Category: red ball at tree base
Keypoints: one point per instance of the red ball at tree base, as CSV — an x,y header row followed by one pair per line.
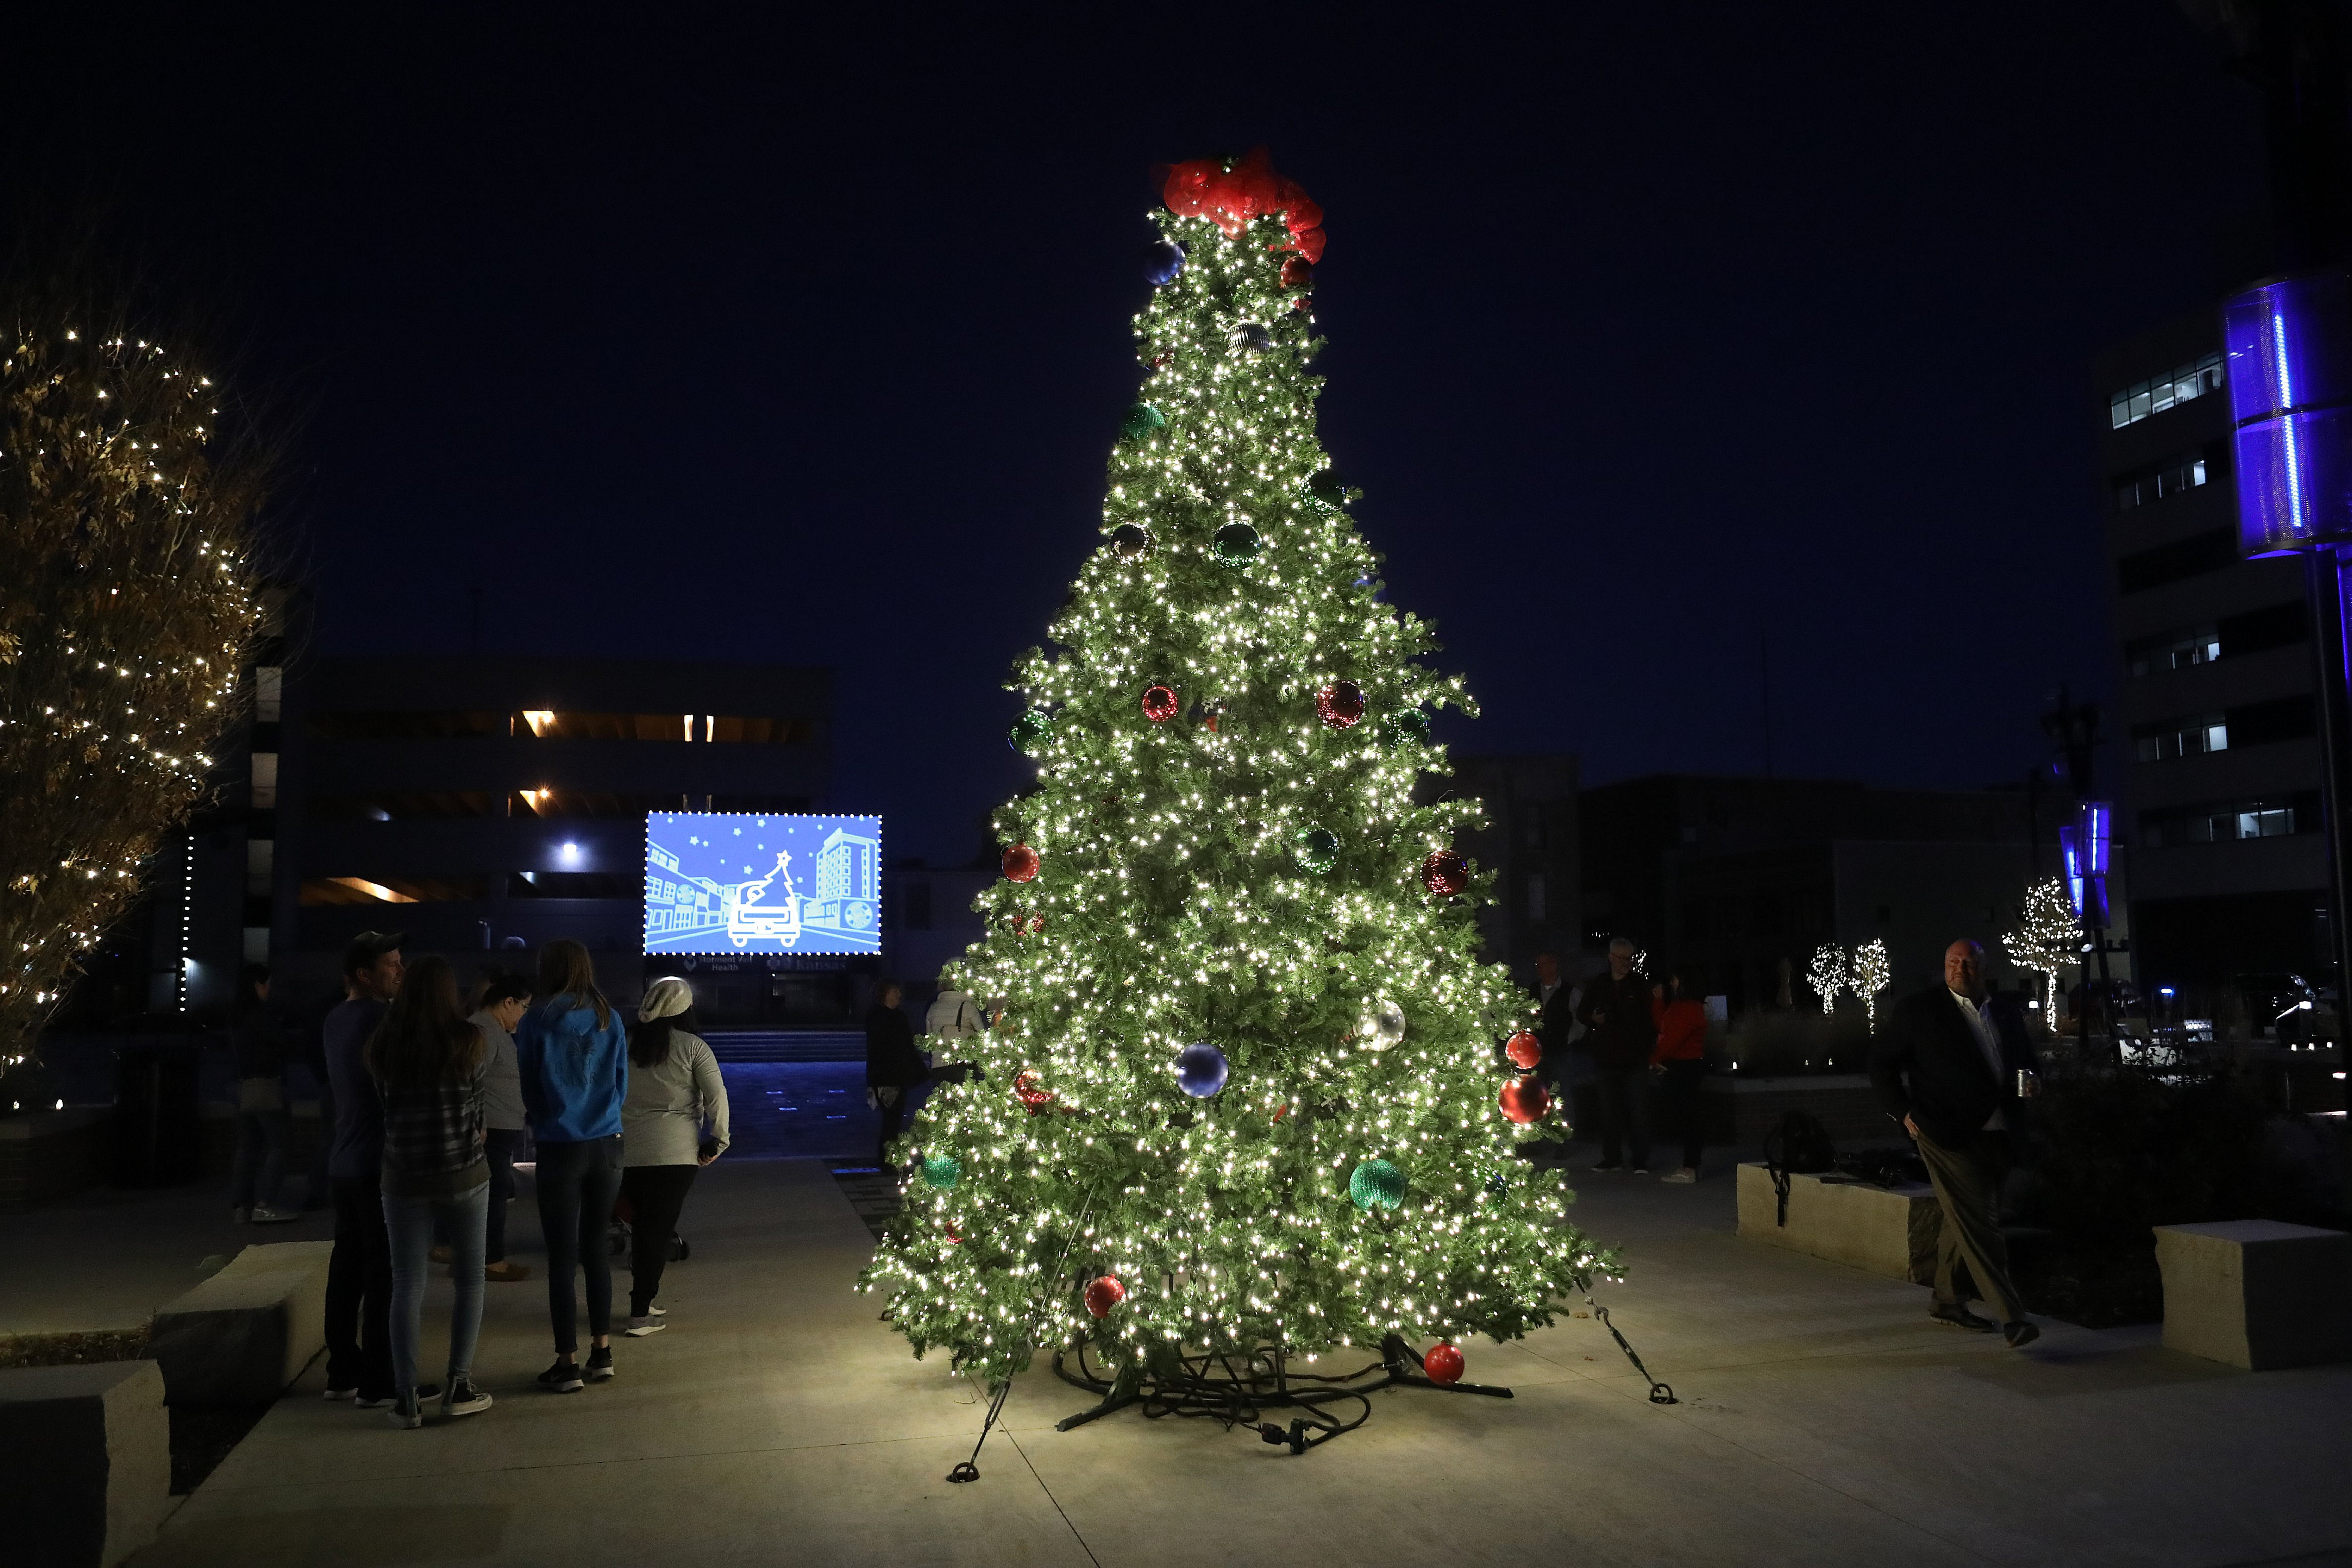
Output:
x,y
1160,704
1339,704
1524,1049
1103,1295
1021,863
1526,1100
1445,873
1444,1365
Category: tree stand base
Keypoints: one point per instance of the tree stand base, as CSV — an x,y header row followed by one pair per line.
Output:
x,y
1240,1389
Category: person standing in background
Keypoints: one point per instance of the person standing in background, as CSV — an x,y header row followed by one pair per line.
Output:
x,y
574,1058
359,1269
894,1068
1679,1062
1555,1024
1616,1009
673,1091
504,1000
428,1064
265,1127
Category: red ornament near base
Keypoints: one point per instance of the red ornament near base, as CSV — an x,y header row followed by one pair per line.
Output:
x,y
1104,1294
1444,1365
1021,863
1525,1099
1524,1049
1031,1092
1339,704
1160,704
1446,873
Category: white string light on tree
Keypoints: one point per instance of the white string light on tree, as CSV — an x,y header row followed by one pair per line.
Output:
x,y
1827,975
2050,941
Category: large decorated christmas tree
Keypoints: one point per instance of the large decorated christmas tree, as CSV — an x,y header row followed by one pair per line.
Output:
x,y
1245,1102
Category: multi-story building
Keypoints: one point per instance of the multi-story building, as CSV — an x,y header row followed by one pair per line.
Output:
x,y
1530,841
487,805
1741,879
2228,862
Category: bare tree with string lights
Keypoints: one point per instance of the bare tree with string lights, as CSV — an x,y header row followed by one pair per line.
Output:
x,y
127,518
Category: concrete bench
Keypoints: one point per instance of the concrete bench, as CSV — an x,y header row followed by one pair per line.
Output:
x,y
2257,1293
244,1334
87,1451
1890,1231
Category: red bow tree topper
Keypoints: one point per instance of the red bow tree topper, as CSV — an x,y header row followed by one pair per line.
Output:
x,y
1250,189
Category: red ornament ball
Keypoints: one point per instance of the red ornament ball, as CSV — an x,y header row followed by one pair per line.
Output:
x,y
1104,1294
1021,863
1444,1365
1160,704
1298,272
1524,1049
1526,1100
1339,704
1446,873
1031,1091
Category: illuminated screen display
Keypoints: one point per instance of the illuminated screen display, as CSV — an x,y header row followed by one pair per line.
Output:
x,y
724,881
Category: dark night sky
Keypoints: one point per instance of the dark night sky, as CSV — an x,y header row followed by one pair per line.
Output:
x,y
1650,328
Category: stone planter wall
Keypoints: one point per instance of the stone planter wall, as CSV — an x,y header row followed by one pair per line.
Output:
x,y
1740,1109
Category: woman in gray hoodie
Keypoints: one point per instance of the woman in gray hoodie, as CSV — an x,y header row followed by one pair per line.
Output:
x,y
674,1092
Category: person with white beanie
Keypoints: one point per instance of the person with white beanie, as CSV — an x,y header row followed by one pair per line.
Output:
x,y
675,1091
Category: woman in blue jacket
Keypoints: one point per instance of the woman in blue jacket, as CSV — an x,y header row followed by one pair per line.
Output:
x,y
575,1054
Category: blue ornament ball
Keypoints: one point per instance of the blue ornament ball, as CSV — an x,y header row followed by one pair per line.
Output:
x,y
1200,1069
1163,261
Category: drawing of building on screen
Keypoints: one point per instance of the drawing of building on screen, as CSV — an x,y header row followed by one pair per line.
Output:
x,y
725,882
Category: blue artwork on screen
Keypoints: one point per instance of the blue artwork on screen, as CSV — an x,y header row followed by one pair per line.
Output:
x,y
723,882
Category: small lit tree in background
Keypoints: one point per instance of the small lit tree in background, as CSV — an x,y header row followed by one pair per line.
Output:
x,y
1870,975
1827,976
2051,939
126,524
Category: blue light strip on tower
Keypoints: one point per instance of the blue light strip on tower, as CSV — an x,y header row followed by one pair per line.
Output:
x,y
2295,520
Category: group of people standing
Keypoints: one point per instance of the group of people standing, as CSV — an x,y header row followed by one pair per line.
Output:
x,y
1630,1038
434,1101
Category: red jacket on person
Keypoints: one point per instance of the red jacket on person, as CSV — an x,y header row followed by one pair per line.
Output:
x,y
1682,1030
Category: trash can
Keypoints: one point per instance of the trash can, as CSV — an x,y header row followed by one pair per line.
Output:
x,y
159,1130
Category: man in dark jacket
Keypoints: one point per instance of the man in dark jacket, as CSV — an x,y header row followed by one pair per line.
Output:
x,y
1621,1032
894,1068
1948,1066
359,1269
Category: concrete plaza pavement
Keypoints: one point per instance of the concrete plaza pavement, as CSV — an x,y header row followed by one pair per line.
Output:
x,y
1823,1420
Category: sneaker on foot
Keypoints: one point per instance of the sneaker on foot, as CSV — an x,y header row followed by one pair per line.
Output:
x,y
407,1413
1959,1317
1641,1170
464,1398
240,1216
658,1311
640,1327
267,1215
506,1273
374,1401
1683,1177
440,1255
599,1362
340,1393
1609,1165
2020,1333
563,1377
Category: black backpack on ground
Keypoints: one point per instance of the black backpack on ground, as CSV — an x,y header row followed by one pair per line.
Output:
x,y
1800,1144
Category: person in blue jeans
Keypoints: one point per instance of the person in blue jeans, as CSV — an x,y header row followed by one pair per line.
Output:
x,y
427,1062
574,1051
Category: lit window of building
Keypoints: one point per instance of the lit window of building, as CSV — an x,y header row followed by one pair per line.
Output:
x,y
2154,396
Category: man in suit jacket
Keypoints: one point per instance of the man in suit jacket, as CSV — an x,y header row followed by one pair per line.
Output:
x,y
1946,1066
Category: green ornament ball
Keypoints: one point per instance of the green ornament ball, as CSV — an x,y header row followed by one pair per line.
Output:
x,y
1328,487
1410,724
1376,1184
1028,730
1318,849
1236,544
941,1171
1141,420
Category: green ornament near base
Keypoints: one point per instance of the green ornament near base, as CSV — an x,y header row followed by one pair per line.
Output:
x,y
1410,724
1141,420
1029,730
1318,849
1376,1184
1236,544
941,1171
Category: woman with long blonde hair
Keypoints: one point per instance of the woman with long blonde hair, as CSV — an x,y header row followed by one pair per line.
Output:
x,y
573,1052
428,1063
